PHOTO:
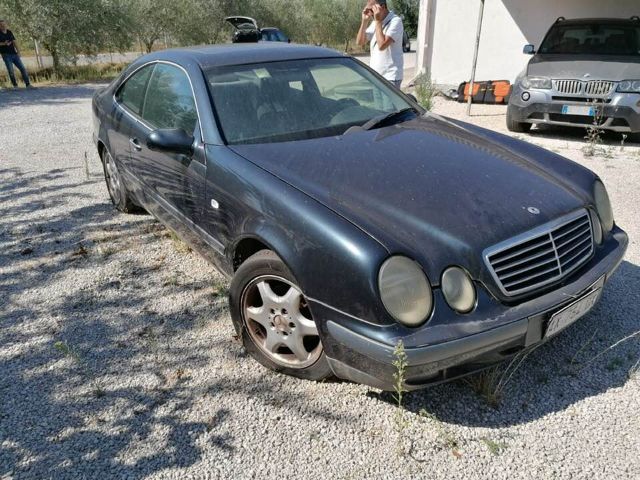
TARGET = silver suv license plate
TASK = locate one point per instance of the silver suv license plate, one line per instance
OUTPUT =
(578, 110)
(565, 317)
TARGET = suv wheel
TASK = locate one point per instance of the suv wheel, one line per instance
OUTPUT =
(515, 126)
(272, 317)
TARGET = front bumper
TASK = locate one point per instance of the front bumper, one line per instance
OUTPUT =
(620, 111)
(364, 353)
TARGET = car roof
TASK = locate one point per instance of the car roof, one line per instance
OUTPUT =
(580, 21)
(241, 54)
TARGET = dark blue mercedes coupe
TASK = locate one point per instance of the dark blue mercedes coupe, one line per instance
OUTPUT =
(348, 218)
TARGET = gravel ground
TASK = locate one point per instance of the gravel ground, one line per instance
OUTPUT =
(118, 359)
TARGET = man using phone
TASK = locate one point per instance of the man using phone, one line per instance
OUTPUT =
(384, 30)
(11, 55)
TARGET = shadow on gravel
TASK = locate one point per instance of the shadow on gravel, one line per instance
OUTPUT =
(558, 374)
(94, 382)
(58, 408)
(47, 95)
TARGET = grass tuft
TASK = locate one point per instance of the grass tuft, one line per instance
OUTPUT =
(494, 447)
(594, 133)
(490, 384)
(425, 90)
(449, 441)
(400, 364)
(179, 245)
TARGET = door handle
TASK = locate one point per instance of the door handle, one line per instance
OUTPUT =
(135, 144)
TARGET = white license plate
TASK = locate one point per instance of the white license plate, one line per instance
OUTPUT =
(565, 317)
(578, 110)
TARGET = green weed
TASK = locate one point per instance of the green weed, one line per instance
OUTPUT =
(400, 364)
(425, 90)
(494, 447)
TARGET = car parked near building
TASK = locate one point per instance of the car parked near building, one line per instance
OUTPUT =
(584, 70)
(348, 218)
(406, 42)
(247, 31)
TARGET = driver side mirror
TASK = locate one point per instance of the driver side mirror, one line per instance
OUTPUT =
(171, 140)
(529, 49)
(412, 97)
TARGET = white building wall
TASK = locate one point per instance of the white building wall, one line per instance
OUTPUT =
(508, 26)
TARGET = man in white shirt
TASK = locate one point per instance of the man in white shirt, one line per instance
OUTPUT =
(385, 34)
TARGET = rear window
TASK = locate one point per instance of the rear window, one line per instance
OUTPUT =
(593, 38)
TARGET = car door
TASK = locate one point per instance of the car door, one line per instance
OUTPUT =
(128, 107)
(174, 181)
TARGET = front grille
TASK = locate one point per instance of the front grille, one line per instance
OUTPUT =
(571, 87)
(579, 99)
(576, 119)
(542, 256)
(599, 88)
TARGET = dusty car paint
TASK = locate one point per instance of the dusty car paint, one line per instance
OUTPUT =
(335, 208)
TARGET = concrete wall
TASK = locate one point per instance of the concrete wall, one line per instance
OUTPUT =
(508, 26)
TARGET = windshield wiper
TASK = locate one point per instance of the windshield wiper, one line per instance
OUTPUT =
(379, 120)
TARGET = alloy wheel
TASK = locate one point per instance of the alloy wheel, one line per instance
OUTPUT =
(279, 322)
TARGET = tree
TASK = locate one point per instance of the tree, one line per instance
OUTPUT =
(67, 28)
(334, 22)
(409, 10)
(151, 19)
(202, 21)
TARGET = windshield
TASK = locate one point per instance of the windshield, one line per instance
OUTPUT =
(297, 100)
(593, 38)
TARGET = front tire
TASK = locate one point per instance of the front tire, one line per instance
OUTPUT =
(272, 317)
(515, 126)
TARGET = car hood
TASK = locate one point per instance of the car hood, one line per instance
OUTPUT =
(598, 67)
(428, 188)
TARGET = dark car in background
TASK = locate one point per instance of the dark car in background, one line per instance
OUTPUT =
(406, 42)
(585, 70)
(246, 30)
(348, 218)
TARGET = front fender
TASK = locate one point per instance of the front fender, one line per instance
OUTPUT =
(333, 261)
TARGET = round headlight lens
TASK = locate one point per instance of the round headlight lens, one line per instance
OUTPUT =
(624, 86)
(405, 291)
(603, 206)
(458, 290)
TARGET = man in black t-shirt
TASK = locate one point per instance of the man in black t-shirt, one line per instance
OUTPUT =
(11, 55)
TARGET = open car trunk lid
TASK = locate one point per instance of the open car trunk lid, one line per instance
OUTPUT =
(242, 23)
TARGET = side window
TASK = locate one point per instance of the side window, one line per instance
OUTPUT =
(131, 94)
(169, 102)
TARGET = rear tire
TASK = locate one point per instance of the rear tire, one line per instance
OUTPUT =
(115, 185)
(515, 126)
(271, 316)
